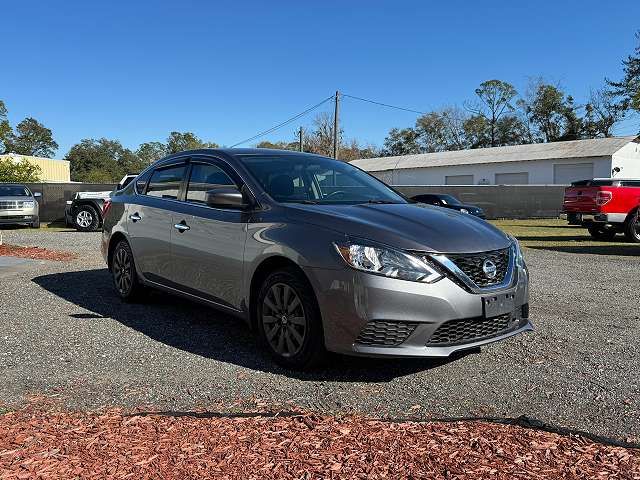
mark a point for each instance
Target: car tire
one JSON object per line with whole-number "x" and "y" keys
{"x": 288, "y": 320}
{"x": 86, "y": 219}
{"x": 632, "y": 227}
{"x": 36, "y": 223}
{"x": 600, "y": 233}
{"x": 124, "y": 274}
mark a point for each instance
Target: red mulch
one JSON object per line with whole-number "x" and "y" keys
{"x": 35, "y": 253}
{"x": 54, "y": 445}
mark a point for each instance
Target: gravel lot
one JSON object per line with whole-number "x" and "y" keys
{"x": 64, "y": 334}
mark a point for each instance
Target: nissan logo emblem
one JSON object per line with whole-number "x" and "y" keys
{"x": 489, "y": 268}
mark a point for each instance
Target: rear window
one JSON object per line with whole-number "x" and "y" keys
{"x": 595, "y": 183}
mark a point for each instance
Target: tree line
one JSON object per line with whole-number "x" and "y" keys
{"x": 497, "y": 115}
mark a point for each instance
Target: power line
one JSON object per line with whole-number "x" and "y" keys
{"x": 286, "y": 122}
{"x": 383, "y": 104}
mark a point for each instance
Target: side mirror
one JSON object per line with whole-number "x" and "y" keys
{"x": 37, "y": 195}
{"x": 226, "y": 197}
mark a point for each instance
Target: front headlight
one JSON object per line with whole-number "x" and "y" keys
{"x": 518, "y": 251}
{"x": 388, "y": 262}
{"x": 464, "y": 210}
{"x": 28, "y": 204}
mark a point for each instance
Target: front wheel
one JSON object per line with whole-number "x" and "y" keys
{"x": 123, "y": 271}
{"x": 36, "y": 223}
{"x": 289, "y": 321}
{"x": 601, "y": 233}
{"x": 632, "y": 227}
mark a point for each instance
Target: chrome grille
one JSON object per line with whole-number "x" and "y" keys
{"x": 457, "y": 331}
{"x": 385, "y": 334}
{"x": 9, "y": 205}
{"x": 471, "y": 264}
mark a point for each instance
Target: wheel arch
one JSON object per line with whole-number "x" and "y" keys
{"x": 262, "y": 271}
{"x": 631, "y": 213}
{"x": 116, "y": 237}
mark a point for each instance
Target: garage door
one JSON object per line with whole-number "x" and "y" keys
{"x": 458, "y": 180}
{"x": 521, "y": 178}
{"x": 564, "y": 174}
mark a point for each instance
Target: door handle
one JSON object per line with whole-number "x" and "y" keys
{"x": 135, "y": 217}
{"x": 181, "y": 227}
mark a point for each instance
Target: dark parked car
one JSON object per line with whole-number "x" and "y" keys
{"x": 315, "y": 254}
{"x": 449, "y": 201}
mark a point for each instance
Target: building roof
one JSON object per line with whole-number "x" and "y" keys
{"x": 19, "y": 157}
{"x": 597, "y": 147}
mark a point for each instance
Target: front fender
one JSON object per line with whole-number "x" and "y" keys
{"x": 308, "y": 246}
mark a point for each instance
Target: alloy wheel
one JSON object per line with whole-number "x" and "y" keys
{"x": 122, "y": 271}
{"x": 84, "y": 219}
{"x": 284, "y": 320}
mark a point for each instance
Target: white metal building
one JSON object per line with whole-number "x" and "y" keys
{"x": 539, "y": 164}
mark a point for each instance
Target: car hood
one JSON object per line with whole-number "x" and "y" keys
{"x": 406, "y": 226}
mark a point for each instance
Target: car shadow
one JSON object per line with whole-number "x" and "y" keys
{"x": 203, "y": 331}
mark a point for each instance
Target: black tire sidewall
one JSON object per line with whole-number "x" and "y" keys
{"x": 95, "y": 222}
{"x": 135, "y": 289}
{"x": 313, "y": 349}
{"x": 629, "y": 231}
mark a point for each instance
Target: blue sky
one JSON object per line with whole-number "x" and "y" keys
{"x": 136, "y": 70}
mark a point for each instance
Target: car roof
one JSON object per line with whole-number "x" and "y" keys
{"x": 8, "y": 184}
{"x": 234, "y": 152}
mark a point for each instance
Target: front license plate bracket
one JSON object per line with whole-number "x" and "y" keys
{"x": 499, "y": 304}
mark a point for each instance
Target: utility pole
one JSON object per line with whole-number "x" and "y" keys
{"x": 335, "y": 125}
{"x": 300, "y": 139}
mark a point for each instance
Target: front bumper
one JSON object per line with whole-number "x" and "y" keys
{"x": 18, "y": 217}
{"x": 350, "y": 301}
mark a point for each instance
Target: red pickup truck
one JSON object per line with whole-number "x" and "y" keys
{"x": 605, "y": 206}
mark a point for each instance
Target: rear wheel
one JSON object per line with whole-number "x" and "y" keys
{"x": 632, "y": 227}
{"x": 601, "y": 233}
{"x": 123, "y": 271}
{"x": 289, "y": 321}
{"x": 86, "y": 219}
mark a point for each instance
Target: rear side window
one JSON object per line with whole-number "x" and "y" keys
{"x": 203, "y": 178}
{"x": 165, "y": 182}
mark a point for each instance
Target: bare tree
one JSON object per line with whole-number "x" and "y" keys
{"x": 495, "y": 100}
{"x": 602, "y": 112}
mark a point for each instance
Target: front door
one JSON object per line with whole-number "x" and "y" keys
{"x": 208, "y": 243}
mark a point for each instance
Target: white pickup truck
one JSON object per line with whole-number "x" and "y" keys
{"x": 84, "y": 210}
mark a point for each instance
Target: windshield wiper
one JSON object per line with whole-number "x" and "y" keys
{"x": 381, "y": 202}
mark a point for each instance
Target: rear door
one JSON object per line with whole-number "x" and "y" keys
{"x": 149, "y": 221}
{"x": 208, "y": 243}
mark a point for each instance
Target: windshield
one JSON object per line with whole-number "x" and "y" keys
{"x": 14, "y": 191}
{"x": 315, "y": 179}
{"x": 449, "y": 200}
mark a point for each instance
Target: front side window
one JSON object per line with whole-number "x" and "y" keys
{"x": 165, "y": 182}
{"x": 314, "y": 179}
{"x": 205, "y": 177}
